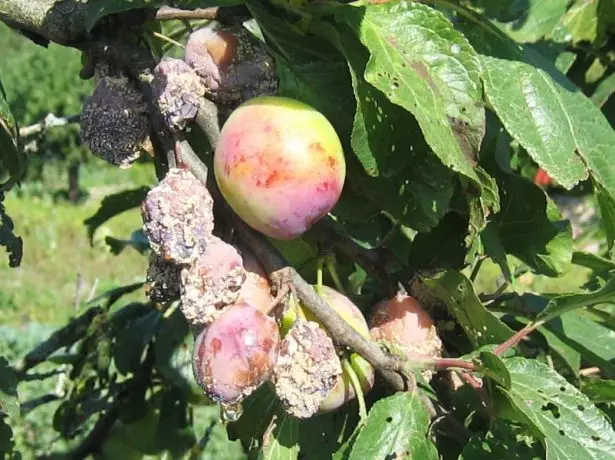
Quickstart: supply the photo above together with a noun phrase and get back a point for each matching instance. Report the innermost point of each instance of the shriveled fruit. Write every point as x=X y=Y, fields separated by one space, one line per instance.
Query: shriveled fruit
x=114 y=122
x=306 y=370
x=163 y=279
x=211 y=283
x=343 y=391
x=177 y=91
x=178 y=216
x=236 y=353
x=280 y=165
x=403 y=322
x=233 y=65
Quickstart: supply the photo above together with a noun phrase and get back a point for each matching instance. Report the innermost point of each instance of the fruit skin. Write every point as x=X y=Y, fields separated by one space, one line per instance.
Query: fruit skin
x=343 y=391
x=280 y=165
x=236 y=353
x=403 y=321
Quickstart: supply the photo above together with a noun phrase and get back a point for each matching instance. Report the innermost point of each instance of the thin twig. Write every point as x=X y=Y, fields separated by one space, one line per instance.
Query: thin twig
x=50 y=121
x=167 y=13
x=590 y=371
x=518 y=337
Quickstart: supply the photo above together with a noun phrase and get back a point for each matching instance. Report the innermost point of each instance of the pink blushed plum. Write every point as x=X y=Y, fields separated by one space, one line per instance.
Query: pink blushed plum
x=280 y=165
x=236 y=353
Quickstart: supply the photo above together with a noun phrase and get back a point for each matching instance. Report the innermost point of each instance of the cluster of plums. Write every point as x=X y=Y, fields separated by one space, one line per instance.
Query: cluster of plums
x=280 y=166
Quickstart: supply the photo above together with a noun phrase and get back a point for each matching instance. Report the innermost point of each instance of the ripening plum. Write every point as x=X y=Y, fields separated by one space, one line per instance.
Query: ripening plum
x=256 y=288
x=343 y=391
x=236 y=353
x=403 y=321
x=280 y=165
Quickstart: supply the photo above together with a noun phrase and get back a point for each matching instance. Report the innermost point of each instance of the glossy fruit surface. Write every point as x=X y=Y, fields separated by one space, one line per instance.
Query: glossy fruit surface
x=279 y=164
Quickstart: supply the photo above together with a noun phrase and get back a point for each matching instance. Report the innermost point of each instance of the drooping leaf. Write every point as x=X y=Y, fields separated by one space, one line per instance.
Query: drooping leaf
x=9 y=403
x=504 y=442
x=530 y=227
x=12 y=160
x=566 y=421
x=8 y=239
x=479 y=324
x=396 y=427
x=421 y=63
x=561 y=129
x=599 y=390
x=568 y=302
x=115 y=204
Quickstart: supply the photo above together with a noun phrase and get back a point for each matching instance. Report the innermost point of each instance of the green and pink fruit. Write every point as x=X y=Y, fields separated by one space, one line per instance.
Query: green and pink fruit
x=343 y=391
x=280 y=165
x=402 y=321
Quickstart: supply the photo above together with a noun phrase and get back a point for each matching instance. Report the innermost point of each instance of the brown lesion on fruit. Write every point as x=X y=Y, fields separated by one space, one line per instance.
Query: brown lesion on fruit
x=306 y=370
x=211 y=283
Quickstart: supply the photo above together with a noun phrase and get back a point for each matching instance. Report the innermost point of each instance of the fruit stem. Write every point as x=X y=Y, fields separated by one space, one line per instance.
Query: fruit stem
x=356 y=385
x=319 y=269
x=333 y=272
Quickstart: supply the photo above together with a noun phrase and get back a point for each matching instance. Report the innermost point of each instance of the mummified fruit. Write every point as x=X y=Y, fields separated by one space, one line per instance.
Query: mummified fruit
x=177 y=91
x=233 y=65
x=343 y=391
x=280 y=165
x=403 y=322
x=211 y=283
x=114 y=122
x=163 y=279
x=306 y=370
x=178 y=217
x=236 y=353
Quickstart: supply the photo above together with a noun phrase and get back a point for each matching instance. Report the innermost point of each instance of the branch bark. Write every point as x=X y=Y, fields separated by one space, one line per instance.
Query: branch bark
x=166 y=13
x=50 y=121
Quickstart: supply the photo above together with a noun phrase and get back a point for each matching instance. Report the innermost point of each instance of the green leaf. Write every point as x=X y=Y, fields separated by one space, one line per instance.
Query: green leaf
x=421 y=63
x=282 y=439
x=131 y=341
x=12 y=160
x=494 y=367
x=595 y=342
x=593 y=262
x=173 y=350
x=531 y=20
x=9 y=403
x=606 y=201
x=480 y=325
x=561 y=129
x=599 y=390
x=502 y=442
x=566 y=421
x=530 y=227
x=396 y=427
x=115 y=204
x=495 y=249
x=563 y=349
x=568 y=302
x=8 y=239
x=174 y=432
x=7 y=443
x=581 y=21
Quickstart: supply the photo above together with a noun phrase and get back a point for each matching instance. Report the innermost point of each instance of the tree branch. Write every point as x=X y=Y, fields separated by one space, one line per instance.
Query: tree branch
x=50 y=121
x=166 y=13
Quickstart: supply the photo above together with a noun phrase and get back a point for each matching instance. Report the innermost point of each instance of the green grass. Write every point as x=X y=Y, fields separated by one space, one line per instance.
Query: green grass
x=59 y=263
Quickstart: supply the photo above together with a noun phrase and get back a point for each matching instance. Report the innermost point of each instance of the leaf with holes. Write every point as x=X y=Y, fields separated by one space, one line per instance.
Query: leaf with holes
x=561 y=129
x=563 y=418
x=480 y=325
x=504 y=442
x=396 y=427
x=421 y=63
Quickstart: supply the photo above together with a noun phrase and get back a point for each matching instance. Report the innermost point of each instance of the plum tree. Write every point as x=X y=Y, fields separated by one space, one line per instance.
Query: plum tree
x=280 y=165
x=235 y=354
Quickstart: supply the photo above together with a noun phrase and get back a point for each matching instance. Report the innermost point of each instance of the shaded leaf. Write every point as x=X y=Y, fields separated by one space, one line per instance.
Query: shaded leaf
x=504 y=442
x=9 y=403
x=131 y=341
x=115 y=204
x=480 y=325
x=8 y=239
x=396 y=427
x=421 y=63
x=568 y=302
x=561 y=348
x=12 y=160
x=599 y=390
x=494 y=368
x=566 y=421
